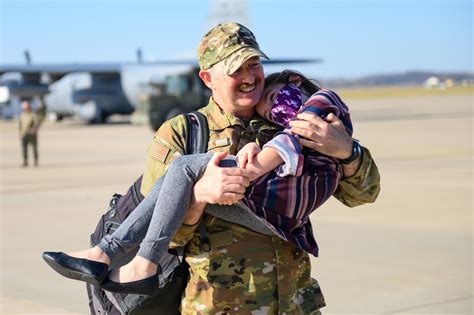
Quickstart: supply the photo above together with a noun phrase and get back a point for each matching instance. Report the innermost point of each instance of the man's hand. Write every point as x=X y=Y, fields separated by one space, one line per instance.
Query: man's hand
x=218 y=185
x=327 y=136
x=221 y=185
x=247 y=154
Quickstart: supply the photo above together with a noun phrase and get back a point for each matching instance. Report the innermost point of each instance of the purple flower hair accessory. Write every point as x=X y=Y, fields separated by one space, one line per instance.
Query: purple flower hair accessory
x=286 y=104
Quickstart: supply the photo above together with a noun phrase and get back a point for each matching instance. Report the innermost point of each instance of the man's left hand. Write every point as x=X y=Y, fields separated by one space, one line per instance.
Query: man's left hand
x=327 y=136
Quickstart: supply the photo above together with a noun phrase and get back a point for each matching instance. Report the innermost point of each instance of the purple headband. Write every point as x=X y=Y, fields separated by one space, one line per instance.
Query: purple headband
x=286 y=104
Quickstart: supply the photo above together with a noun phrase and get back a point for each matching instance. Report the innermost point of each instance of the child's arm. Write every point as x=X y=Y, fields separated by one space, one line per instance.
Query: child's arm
x=265 y=161
x=282 y=154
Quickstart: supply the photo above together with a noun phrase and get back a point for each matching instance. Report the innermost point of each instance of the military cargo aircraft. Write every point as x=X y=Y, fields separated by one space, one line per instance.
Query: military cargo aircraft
x=95 y=91
x=91 y=91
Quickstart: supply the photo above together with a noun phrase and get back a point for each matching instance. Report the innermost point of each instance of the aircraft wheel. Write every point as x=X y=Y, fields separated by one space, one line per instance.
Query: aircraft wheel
x=55 y=117
x=99 y=117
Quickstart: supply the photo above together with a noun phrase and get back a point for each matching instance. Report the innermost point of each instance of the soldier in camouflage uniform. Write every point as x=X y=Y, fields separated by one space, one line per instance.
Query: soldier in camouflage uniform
x=246 y=272
x=28 y=125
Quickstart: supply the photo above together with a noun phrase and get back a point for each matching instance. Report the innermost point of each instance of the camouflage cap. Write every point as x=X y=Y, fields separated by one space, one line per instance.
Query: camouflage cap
x=231 y=43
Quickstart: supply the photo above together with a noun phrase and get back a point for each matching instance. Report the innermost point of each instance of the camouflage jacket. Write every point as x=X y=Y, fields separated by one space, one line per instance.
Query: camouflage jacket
x=27 y=124
x=245 y=271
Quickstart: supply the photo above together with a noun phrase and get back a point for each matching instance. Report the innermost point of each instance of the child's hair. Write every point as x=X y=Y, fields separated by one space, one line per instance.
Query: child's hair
x=308 y=86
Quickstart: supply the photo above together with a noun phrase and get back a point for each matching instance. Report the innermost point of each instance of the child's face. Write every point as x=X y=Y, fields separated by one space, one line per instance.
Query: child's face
x=280 y=103
x=264 y=106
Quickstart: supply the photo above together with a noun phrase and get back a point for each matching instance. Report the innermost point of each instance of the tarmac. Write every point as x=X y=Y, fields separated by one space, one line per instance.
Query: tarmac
x=408 y=253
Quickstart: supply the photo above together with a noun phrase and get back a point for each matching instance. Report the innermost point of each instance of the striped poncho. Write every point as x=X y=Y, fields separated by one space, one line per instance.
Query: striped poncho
x=284 y=199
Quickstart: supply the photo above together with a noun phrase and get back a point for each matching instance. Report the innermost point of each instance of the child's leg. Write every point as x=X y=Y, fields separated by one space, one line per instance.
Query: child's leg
x=131 y=232
x=172 y=204
x=128 y=235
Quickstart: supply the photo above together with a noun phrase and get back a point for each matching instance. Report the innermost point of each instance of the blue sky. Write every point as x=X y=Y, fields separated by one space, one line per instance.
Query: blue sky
x=354 y=38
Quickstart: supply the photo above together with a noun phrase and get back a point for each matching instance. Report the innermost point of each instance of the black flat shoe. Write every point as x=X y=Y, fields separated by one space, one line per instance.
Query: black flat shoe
x=147 y=286
x=90 y=271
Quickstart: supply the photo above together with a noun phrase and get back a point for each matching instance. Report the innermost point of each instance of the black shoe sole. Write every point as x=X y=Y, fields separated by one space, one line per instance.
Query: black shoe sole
x=73 y=274
x=148 y=286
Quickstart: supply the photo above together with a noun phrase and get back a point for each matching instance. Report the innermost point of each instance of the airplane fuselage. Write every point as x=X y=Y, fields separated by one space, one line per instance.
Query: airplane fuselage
x=95 y=96
x=95 y=91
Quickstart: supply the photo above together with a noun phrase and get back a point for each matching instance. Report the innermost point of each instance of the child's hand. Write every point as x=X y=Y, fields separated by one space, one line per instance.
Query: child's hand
x=247 y=154
x=228 y=202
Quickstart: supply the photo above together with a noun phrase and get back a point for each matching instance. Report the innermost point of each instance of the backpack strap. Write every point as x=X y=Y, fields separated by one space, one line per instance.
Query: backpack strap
x=197 y=139
x=135 y=190
x=197 y=133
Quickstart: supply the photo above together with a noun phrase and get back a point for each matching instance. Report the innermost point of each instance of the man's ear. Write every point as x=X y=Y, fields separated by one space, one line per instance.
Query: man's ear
x=295 y=79
x=205 y=76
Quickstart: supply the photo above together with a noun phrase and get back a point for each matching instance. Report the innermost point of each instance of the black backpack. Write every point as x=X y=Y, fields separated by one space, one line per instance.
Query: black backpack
x=172 y=269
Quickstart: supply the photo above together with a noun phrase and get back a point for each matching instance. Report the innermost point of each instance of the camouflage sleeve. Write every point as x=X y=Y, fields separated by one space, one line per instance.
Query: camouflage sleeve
x=183 y=235
x=362 y=187
x=169 y=142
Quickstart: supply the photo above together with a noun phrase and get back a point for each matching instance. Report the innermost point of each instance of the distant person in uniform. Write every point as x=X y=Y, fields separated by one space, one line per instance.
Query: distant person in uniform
x=28 y=128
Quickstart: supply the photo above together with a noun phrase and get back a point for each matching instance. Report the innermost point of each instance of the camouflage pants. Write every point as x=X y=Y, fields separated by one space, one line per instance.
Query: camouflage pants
x=29 y=140
x=248 y=273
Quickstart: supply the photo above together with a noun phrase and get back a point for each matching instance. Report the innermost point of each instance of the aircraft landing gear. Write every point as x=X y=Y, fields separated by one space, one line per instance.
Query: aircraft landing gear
x=99 y=117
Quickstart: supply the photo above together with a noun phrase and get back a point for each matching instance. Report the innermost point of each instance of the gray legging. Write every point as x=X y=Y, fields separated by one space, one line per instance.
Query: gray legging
x=157 y=218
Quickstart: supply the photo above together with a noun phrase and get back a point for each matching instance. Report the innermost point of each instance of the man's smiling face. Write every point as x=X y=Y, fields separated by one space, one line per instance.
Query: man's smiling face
x=240 y=91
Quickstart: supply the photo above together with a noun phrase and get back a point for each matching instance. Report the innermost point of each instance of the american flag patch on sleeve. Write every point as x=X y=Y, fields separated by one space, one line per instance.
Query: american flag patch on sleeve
x=159 y=152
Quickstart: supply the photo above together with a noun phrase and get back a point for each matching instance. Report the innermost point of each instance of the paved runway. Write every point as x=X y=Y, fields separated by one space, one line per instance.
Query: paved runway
x=409 y=253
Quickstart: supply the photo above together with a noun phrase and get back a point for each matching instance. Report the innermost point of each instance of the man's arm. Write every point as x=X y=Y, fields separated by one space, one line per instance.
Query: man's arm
x=363 y=186
x=361 y=181
x=327 y=136
x=218 y=185
x=214 y=186
x=350 y=168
